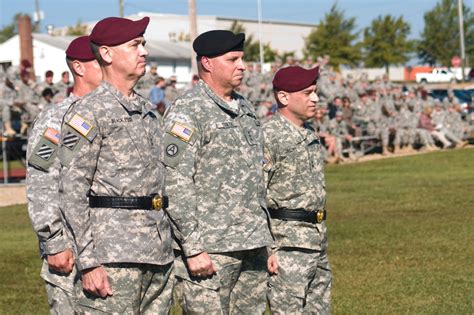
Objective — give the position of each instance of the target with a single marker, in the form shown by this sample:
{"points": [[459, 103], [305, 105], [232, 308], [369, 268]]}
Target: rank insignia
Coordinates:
{"points": [[267, 161], [80, 125], [52, 135], [70, 140], [181, 131]]}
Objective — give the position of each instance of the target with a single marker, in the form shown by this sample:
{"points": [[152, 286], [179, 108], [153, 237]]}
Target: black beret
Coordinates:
{"points": [[294, 78], [218, 42], [80, 49], [113, 31]]}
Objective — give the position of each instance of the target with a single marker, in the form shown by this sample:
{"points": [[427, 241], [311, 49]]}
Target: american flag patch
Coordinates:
{"points": [[52, 135], [70, 140], [181, 131], [80, 125], [45, 152]]}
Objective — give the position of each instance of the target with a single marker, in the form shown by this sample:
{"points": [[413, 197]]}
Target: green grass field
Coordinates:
{"points": [[401, 233]]}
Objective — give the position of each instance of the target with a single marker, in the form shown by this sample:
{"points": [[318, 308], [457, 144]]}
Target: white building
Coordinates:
{"points": [[49, 54], [282, 36]]}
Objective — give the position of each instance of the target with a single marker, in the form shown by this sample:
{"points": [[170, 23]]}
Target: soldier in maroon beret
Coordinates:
{"points": [[112, 182], [296, 198], [56, 243]]}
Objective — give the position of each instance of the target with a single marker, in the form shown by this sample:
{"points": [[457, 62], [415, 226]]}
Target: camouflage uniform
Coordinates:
{"points": [[28, 96], [43, 204], [111, 146], [214, 154], [295, 168]]}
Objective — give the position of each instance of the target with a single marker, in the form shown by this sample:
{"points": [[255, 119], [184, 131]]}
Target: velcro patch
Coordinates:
{"points": [[52, 135], [45, 152], [70, 140], [182, 131], [80, 125]]}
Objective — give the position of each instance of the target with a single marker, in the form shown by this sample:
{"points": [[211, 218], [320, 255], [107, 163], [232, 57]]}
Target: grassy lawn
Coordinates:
{"points": [[400, 234]]}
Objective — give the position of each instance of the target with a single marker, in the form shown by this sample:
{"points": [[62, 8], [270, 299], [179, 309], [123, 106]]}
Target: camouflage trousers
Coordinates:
{"points": [[238, 287], [405, 137], [137, 289], [303, 283], [60, 290]]}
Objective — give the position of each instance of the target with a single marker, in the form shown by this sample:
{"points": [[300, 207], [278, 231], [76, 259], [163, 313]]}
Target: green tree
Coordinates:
{"points": [[77, 30], [385, 42], [10, 30], [440, 39], [334, 36], [252, 47]]}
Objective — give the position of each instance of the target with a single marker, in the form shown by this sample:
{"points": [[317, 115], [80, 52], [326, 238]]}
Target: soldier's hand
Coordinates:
{"points": [[95, 281], [62, 262], [201, 265], [272, 264]]}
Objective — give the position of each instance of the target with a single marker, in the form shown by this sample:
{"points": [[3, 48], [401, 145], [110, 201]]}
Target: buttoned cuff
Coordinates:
{"points": [[56, 244]]}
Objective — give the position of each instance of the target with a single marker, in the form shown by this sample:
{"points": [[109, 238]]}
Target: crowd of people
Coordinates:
{"points": [[354, 114]]}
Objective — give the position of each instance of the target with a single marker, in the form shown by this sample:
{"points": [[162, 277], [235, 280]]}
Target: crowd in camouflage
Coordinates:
{"points": [[352, 110]]}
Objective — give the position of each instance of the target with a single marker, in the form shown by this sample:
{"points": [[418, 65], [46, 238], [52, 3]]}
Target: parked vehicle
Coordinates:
{"points": [[438, 75]]}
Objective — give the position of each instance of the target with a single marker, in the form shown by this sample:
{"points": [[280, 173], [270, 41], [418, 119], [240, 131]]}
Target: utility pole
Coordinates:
{"points": [[37, 16], [192, 32], [121, 7], [461, 36], [260, 44]]}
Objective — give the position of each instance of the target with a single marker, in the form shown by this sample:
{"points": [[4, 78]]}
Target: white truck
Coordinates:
{"points": [[438, 75]]}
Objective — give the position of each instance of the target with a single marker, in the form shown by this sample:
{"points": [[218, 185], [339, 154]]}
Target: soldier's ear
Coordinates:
{"points": [[78, 68], [282, 97], [206, 63], [106, 53]]}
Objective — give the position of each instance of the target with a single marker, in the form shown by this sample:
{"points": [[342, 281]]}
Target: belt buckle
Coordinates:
{"points": [[319, 216], [156, 202]]}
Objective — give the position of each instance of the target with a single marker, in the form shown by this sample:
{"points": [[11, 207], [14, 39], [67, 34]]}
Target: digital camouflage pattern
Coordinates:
{"points": [[303, 284], [59, 290], [294, 164], [129, 296], [113, 150], [218, 295], [215, 182], [42, 184]]}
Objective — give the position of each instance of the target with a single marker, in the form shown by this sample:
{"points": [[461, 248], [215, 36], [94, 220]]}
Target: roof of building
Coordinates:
{"points": [[156, 49]]}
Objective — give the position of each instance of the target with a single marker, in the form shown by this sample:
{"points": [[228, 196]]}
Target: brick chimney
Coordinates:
{"points": [[26, 41]]}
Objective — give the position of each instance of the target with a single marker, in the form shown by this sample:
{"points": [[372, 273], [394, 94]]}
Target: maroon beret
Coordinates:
{"points": [[294, 78], [113, 31], [26, 63], [80, 49], [49, 73]]}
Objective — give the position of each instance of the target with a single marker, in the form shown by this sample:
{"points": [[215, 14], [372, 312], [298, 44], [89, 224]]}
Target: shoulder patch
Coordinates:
{"points": [[52, 135], [43, 154], [182, 131], [80, 125]]}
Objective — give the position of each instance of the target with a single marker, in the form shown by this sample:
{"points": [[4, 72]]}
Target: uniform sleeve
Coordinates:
{"points": [[181, 144], [42, 189], [79, 152]]}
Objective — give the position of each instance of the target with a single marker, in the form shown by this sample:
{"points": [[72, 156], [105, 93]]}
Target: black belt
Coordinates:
{"points": [[298, 215], [154, 202]]}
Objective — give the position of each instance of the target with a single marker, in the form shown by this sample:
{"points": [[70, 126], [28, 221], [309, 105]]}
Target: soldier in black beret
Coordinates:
{"points": [[213, 157]]}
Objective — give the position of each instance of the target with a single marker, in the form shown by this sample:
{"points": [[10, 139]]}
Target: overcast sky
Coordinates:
{"points": [[68, 12]]}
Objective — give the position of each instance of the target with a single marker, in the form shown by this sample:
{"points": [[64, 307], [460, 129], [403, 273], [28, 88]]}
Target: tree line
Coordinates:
{"points": [[385, 42]]}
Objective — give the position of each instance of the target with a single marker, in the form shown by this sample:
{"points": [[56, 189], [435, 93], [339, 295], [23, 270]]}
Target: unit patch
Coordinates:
{"points": [[172, 149], [52, 135], [45, 152], [182, 131], [70, 140], [80, 125]]}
